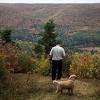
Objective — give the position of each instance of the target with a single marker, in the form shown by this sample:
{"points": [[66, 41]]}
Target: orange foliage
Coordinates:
{"points": [[9, 51], [86, 65]]}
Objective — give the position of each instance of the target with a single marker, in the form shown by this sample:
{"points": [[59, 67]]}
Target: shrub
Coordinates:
{"points": [[39, 50], [24, 63], [3, 70], [6, 35], [86, 65], [42, 66], [66, 67]]}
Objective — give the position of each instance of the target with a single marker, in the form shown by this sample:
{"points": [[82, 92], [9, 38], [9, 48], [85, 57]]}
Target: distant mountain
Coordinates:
{"points": [[69, 17]]}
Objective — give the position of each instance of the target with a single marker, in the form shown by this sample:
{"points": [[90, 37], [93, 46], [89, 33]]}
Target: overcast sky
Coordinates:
{"points": [[49, 1]]}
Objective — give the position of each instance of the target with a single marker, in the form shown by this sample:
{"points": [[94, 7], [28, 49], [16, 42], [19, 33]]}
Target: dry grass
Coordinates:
{"points": [[41, 88]]}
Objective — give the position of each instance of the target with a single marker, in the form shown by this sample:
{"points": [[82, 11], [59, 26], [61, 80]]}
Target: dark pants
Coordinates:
{"points": [[56, 69]]}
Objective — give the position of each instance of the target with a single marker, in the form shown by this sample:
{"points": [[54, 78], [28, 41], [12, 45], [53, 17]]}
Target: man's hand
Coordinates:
{"points": [[50, 57]]}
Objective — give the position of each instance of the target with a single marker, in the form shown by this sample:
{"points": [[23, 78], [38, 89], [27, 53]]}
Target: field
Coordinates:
{"points": [[41, 88]]}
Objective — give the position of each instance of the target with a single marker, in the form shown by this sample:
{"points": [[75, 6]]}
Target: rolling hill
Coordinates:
{"points": [[25, 16], [70, 19]]}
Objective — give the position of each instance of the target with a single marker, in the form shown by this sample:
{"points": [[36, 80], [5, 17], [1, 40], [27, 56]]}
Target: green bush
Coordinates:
{"points": [[39, 50], [6, 35], [24, 63], [42, 66]]}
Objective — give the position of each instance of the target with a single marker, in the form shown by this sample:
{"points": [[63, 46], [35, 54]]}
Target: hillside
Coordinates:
{"points": [[72, 16], [77, 24]]}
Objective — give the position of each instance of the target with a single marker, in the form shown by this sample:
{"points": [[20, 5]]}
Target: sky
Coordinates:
{"points": [[49, 1]]}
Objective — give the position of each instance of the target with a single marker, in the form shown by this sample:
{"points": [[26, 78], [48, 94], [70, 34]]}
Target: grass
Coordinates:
{"points": [[41, 88]]}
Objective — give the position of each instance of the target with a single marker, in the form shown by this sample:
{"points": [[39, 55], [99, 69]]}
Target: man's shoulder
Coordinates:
{"points": [[61, 47], [53, 47]]}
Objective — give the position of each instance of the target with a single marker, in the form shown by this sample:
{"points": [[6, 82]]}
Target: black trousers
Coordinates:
{"points": [[56, 69]]}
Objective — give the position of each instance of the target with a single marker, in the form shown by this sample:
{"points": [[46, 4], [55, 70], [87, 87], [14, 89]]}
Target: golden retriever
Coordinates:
{"points": [[65, 84]]}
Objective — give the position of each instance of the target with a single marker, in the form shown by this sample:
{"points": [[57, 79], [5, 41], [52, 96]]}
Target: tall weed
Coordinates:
{"points": [[86, 65]]}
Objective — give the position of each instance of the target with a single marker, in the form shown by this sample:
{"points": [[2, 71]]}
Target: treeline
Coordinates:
{"points": [[80, 39], [85, 39]]}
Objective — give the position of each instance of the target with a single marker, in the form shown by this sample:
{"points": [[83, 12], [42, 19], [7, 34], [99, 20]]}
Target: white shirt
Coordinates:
{"points": [[57, 53]]}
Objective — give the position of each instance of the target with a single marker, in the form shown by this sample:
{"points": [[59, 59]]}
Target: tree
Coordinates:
{"points": [[48, 37], [39, 50], [6, 35]]}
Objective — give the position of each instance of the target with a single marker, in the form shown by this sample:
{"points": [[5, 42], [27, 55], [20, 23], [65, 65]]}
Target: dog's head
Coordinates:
{"points": [[72, 77], [55, 82]]}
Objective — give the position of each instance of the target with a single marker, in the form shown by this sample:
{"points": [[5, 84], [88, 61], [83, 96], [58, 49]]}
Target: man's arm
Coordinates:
{"points": [[64, 54], [51, 53]]}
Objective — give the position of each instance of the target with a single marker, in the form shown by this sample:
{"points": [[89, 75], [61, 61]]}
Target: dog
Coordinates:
{"points": [[65, 84]]}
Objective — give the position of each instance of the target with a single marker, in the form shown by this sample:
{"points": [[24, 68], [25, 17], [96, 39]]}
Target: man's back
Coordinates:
{"points": [[57, 53]]}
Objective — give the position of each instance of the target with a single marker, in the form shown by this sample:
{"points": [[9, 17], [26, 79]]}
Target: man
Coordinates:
{"points": [[57, 53]]}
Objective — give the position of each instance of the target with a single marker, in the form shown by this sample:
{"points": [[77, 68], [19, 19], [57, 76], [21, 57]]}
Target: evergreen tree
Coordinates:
{"points": [[48, 37], [6, 35]]}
